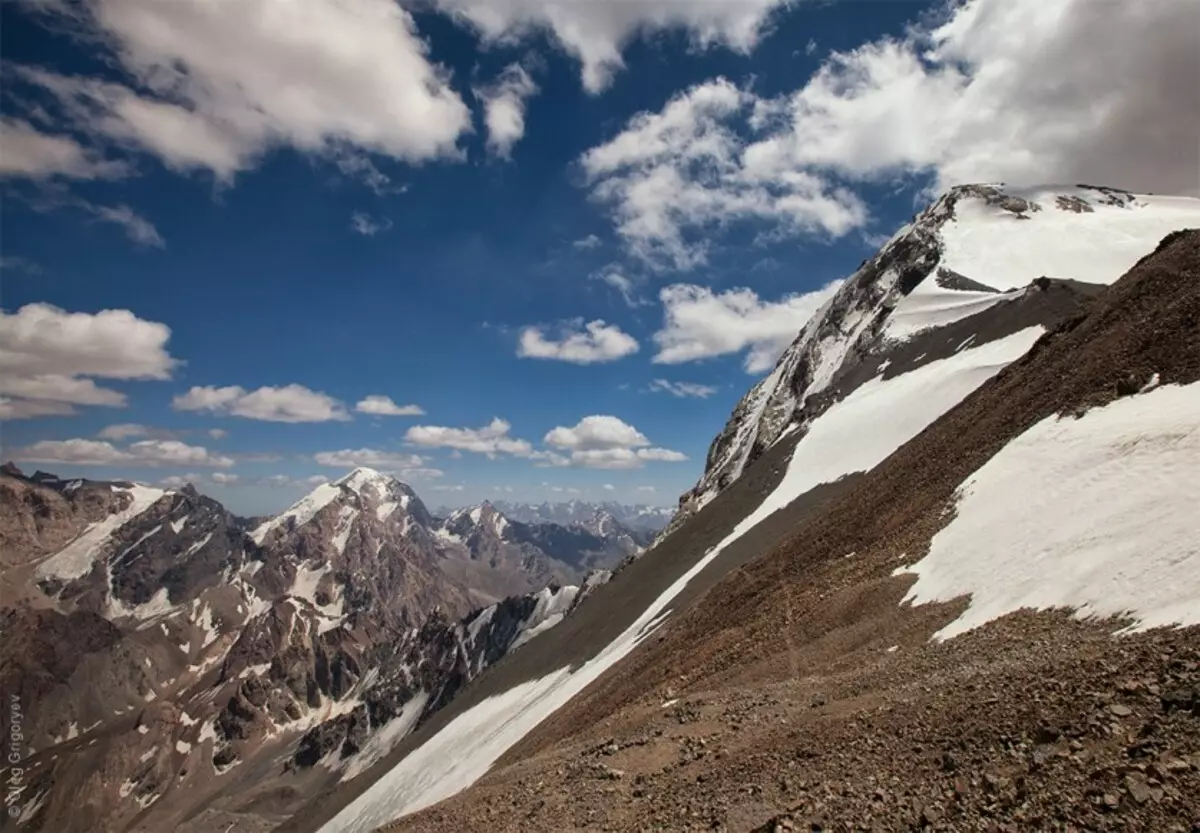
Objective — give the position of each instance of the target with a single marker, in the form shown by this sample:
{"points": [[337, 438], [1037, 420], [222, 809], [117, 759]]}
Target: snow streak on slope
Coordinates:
{"points": [[76, 558], [1097, 244], [929, 305], [859, 432], [1096, 514], [884, 418], [303, 511]]}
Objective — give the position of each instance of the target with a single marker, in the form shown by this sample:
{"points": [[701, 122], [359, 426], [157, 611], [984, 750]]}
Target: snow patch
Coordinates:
{"points": [[930, 305], [1097, 514], [994, 247], [386, 737], [345, 523], [384, 510], [301, 512], [148, 754], [881, 415], [183, 747], [177, 526], [76, 558]]}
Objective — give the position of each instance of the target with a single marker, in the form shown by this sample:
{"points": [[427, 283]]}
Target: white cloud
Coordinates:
{"points": [[447, 487], [367, 226], [224, 478], [646, 489], [178, 481], [1008, 90], [315, 480], [123, 431], [674, 177], [504, 108], [217, 433], [604, 442], [1019, 91], [595, 342], [617, 279], [608, 487], [291, 403], [597, 32], [360, 167], [699, 323], [32, 154], [378, 405], [596, 432], [47, 356], [225, 81], [30, 409], [589, 242], [350, 458], [137, 228], [492, 439], [100, 453], [682, 389]]}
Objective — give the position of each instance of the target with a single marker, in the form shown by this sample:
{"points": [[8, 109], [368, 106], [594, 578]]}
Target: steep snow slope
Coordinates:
{"points": [[1076, 513], [975, 247]]}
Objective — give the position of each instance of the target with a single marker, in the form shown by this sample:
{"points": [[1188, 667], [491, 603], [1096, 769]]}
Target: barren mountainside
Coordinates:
{"points": [[936, 597]]}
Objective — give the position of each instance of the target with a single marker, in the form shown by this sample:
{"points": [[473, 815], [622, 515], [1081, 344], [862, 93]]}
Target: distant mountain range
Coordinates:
{"points": [[177, 642]]}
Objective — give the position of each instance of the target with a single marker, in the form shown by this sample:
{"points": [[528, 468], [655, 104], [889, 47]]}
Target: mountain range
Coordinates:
{"points": [[940, 572]]}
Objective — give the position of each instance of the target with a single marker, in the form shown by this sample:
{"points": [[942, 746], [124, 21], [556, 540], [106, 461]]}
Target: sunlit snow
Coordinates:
{"points": [[1098, 514], [76, 558], [994, 247]]}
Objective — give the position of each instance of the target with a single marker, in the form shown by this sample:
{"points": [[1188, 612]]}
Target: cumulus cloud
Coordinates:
{"points": [[225, 81], [1018, 91], [601, 441], [48, 355], [577, 343], [378, 405], [491, 440], [673, 177], [699, 323], [589, 242], [682, 389], [84, 452], [291, 403], [596, 432], [363, 223], [597, 32], [1008, 90], [29, 153], [123, 431], [373, 458], [504, 108]]}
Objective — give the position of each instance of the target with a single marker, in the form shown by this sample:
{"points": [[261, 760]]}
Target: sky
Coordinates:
{"points": [[519, 249]]}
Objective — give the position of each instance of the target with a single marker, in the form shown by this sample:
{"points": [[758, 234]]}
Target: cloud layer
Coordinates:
{"points": [[48, 358], [290, 403]]}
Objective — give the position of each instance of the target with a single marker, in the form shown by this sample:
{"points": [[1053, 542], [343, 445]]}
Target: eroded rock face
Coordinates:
{"points": [[162, 643]]}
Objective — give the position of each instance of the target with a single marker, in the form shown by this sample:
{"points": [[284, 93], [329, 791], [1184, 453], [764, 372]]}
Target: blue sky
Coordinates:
{"points": [[512, 216]]}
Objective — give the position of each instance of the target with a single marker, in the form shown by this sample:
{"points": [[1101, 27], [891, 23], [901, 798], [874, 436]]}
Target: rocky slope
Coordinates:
{"points": [[790, 594], [976, 247], [159, 644]]}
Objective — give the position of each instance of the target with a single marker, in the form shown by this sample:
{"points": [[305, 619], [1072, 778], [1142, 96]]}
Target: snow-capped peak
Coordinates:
{"points": [[976, 246]]}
